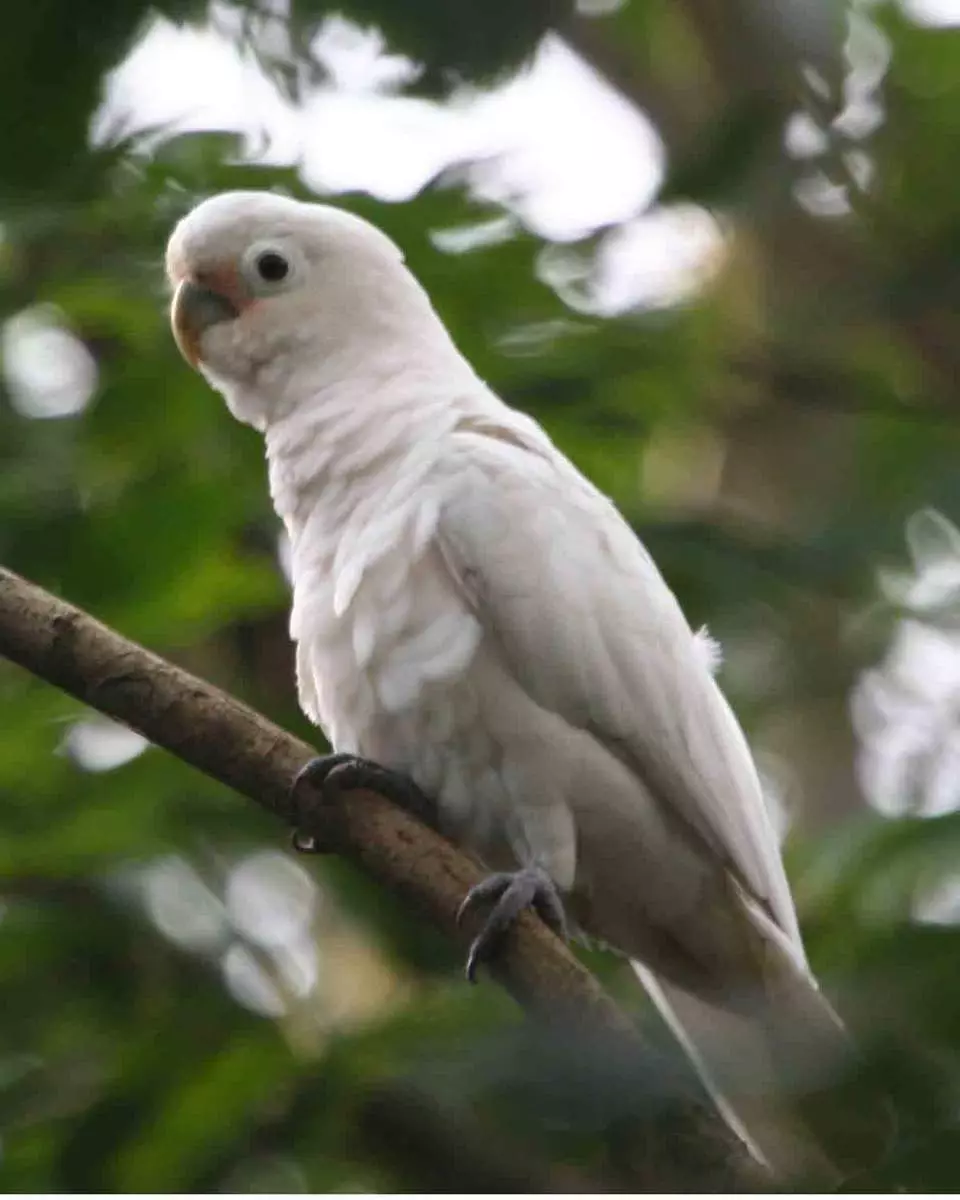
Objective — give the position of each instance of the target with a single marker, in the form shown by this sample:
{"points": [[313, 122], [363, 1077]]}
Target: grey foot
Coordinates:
{"points": [[331, 775], [512, 892]]}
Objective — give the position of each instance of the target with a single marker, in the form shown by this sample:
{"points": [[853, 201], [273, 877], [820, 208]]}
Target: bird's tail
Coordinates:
{"points": [[778, 1071]]}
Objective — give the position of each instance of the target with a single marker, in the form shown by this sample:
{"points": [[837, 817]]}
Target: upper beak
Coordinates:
{"points": [[195, 308]]}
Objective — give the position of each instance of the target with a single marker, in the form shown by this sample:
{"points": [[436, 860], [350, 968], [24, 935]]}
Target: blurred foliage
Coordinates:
{"points": [[185, 1007]]}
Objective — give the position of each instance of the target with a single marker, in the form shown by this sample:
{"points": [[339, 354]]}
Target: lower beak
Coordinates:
{"points": [[195, 309]]}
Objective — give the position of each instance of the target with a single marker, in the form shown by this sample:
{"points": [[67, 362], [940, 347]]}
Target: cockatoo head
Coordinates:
{"points": [[266, 286]]}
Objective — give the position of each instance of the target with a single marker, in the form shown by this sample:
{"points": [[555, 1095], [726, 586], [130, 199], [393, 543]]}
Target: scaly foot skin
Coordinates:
{"points": [[331, 775], [512, 892]]}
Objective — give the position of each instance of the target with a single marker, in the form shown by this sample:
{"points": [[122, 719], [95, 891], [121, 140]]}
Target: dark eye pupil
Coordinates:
{"points": [[272, 267]]}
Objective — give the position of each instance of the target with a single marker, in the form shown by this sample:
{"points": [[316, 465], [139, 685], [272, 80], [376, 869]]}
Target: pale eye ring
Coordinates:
{"points": [[271, 266]]}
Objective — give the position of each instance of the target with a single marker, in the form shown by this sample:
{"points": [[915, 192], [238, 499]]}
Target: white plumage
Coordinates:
{"points": [[469, 610]]}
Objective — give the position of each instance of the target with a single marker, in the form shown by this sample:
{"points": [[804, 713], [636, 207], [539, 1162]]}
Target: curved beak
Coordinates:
{"points": [[194, 310]]}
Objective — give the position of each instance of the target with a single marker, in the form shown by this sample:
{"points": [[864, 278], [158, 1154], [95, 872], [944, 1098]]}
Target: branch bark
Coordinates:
{"points": [[230, 742]]}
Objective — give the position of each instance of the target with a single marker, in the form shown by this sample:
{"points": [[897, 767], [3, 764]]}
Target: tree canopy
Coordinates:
{"points": [[187, 1005]]}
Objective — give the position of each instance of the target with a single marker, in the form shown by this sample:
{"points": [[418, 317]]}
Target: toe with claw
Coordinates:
{"points": [[510, 892], [320, 782], [313, 791]]}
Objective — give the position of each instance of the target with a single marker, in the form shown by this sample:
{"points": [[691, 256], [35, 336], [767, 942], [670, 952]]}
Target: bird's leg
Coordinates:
{"points": [[320, 783], [511, 892]]}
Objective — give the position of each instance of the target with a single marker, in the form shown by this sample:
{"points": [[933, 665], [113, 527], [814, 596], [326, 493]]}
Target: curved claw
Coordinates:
{"points": [[512, 891], [332, 774], [320, 774]]}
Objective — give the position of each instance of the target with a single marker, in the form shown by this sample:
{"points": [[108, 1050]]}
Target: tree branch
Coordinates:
{"points": [[230, 742]]}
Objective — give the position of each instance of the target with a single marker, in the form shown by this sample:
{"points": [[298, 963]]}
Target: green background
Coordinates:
{"points": [[183, 1006]]}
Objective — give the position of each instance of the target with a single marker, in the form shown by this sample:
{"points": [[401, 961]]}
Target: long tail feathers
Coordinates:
{"points": [[776, 1074]]}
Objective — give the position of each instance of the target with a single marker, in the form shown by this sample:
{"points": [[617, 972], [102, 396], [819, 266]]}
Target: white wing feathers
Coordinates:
{"points": [[591, 630]]}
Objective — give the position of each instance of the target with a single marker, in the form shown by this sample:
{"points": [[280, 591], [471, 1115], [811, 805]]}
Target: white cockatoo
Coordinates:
{"points": [[471, 614]]}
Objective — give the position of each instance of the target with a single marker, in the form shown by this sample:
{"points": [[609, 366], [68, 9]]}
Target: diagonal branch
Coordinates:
{"points": [[230, 742]]}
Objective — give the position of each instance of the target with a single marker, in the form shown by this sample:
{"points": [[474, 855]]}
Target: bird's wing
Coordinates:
{"points": [[591, 630]]}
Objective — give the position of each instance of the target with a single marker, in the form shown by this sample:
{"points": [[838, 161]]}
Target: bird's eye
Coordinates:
{"points": [[272, 267]]}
